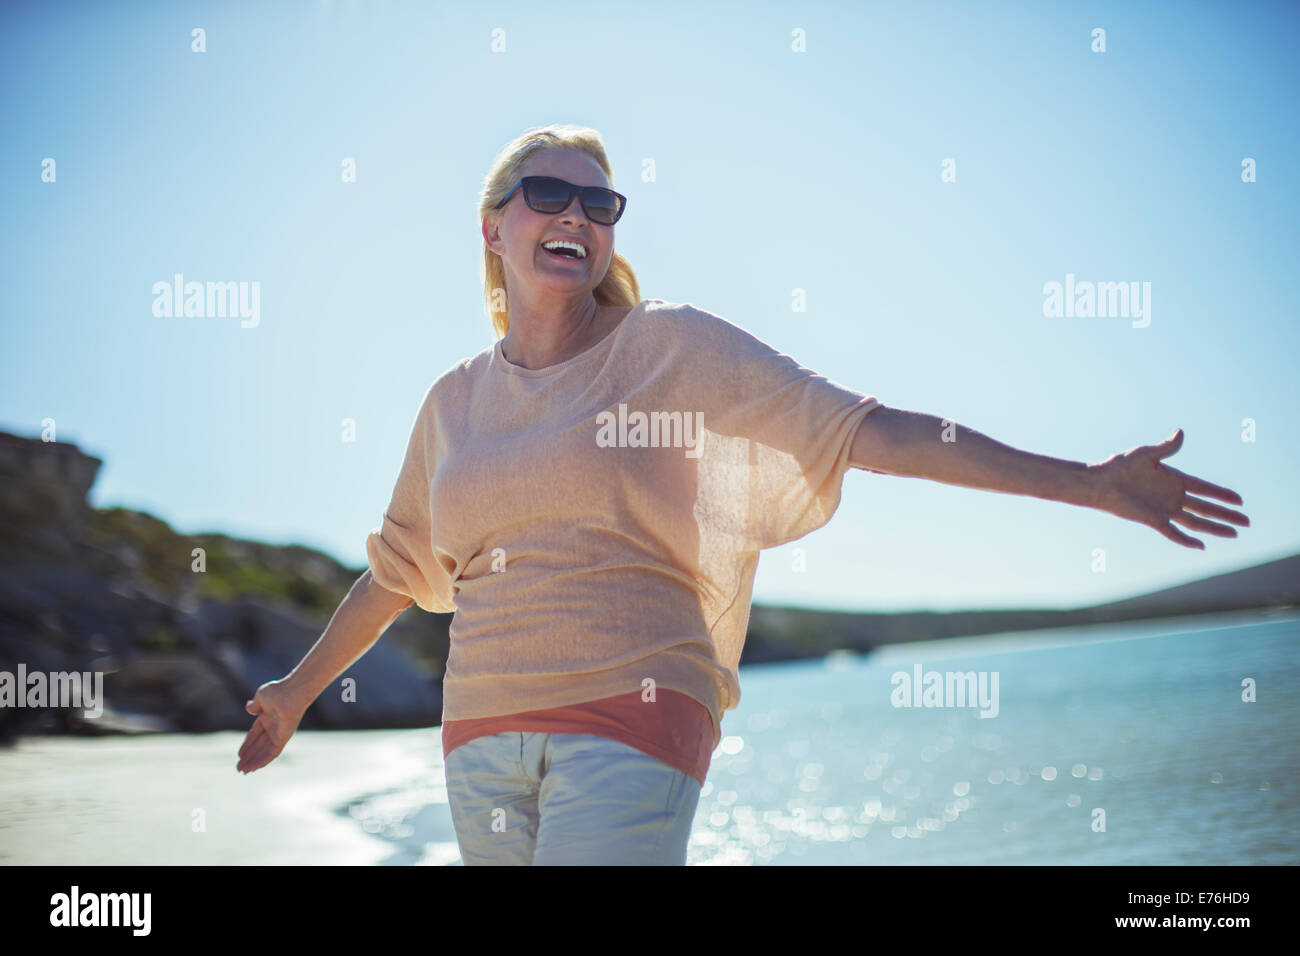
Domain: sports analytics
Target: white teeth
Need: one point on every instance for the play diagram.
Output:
(562, 244)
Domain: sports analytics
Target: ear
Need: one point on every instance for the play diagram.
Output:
(492, 233)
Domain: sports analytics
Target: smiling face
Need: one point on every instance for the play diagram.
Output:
(516, 233)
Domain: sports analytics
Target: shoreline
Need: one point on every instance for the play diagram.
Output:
(1070, 635)
(138, 800)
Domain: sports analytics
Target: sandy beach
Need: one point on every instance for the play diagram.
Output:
(138, 800)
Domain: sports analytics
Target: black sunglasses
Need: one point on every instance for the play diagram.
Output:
(550, 195)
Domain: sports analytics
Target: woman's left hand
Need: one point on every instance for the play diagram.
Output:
(1136, 485)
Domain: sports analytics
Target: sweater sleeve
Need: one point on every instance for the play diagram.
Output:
(781, 434)
(400, 550)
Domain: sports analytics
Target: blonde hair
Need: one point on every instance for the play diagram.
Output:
(618, 287)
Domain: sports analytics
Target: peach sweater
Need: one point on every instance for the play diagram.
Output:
(595, 524)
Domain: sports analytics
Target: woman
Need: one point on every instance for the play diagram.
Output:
(589, 496)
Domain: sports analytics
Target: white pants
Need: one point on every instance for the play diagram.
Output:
(541, 799)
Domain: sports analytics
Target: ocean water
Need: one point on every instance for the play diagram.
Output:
(1127, 744)
(1122, 744)
(1118, 745)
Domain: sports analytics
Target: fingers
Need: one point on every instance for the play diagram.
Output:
(1211, 510)
(1200, 524)
(1201, 487)
(1170, 445)
(249, 752)
(254, 762)
(256, 758)
(259, 748)
(254, 735)
(1177, 537)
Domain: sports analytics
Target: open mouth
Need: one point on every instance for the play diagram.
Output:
(564, 250)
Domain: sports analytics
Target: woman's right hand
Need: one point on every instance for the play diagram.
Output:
(278, 715)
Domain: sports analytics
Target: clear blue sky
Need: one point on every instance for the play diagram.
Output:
(775, 171)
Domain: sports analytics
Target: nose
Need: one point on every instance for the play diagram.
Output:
(574, 210)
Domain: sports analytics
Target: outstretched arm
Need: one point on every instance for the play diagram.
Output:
(1134, 485)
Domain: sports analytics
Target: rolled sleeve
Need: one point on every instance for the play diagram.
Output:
(391, 550)
(400, 551)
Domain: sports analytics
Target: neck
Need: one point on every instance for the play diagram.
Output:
(541, 335)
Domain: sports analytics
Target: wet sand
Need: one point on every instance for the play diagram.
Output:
(135, 800)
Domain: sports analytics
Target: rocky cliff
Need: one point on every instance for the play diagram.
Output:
(113, 591)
